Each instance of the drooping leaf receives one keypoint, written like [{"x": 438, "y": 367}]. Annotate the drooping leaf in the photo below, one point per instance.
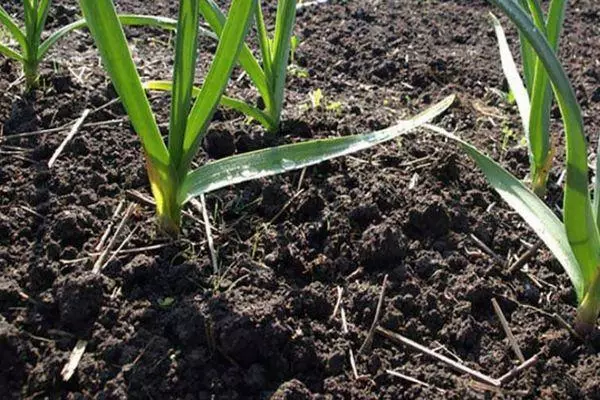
[
  {"x": 13, "y": 29},
  {"x": 277, "y": 160},
  {"x": 579, "y": 220},
  {"x": 530, "y": 207},
  {"x": 512, "y": 75},
  {"x": 126, "y": 20},
  {"x": 238, "y": 105},
  {"x": 10, "y": 53}
]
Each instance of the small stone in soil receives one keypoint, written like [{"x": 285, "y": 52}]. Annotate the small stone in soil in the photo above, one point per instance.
[
  {"x": 12, "y": 362},
  {"x": 79, "y": 301},
  {"x": 71, "y": 226},
  {"x": 382, "y": 245},
  {"x": 364, "y": 215},
  {"x": 427, "y": 264},
  {"x": 433, "y": 221},
  {"x": 255, "y": 378},
  {"x": 292, "y": 390},
  {"x": 311, "y": 207},
  {"x": 219, "y": 144},
  {"x": 334, "y": 364}
]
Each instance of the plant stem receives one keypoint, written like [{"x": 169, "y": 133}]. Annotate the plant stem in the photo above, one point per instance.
[
  {"x": 165, "y": 185},
  {"x": 170, "y": 216},
  {"x": 539, "y": 179},
  {"x": 280, "y": 52},
  {"x": 589, "y": 309},
  {"x": 30, "y": 70}
]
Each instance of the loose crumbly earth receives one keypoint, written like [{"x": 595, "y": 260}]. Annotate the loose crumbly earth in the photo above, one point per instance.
[{"x": 159, "y": 324}]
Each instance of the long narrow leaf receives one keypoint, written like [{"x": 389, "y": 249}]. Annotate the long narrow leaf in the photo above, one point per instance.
[
  {"x": 537, "y": 14},
  {"x": 528, "y": 56},
  {"x": 265, "y": 120},
  {"x": 555, "y": 21},
  {"x": 216, "y": 19},
  {"x": 112, "y": 44},
  {"x": 597, "y": 186},
  {"x": 230, "y": 44},
  {"x": 263, "y": 40},
  {"x": 512, "y": 75},
  {"x": 541, "y": 101},
  {"x": 534, "y": 10},
  {"x": 277, "y": 160},
  {"x": 8, "y": 52},
  {"x": 126, "y": 20},
  {"x": 13, "y": 29},
  {"x": 284, "y": 27},
  {"x": 186, "y": 54},
  {"x": 44, "y": 7},
  {"x": 530, "y": 207},
  {"x": 42, "y": 15},
  {"x": 238, "y": 105},
  {"x": 580, "y": 224},
  {"x": 30, "y": 17}
]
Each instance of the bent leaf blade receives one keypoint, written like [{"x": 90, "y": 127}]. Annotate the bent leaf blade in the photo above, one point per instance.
[
  {"x": 16, "y": 32},
  {"x": 512, "y": 75},
  {"x": 277, "y": 160},
  {"x": 10, "y": 53},
  {"x": 579, "y": 218},
  {"x": 234, "y": 104},
  {"x": 126, "y": 20},
  {"x": 530, "y": 207}
]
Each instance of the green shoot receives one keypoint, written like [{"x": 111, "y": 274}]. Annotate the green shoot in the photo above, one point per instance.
[
  {"x": 293, "y": 68},
  {"x": 576, "y": 242},
  {"x": 294, "y": 43},
  {"x": 534, "y": 97},
  {"x": 169, "y": 165},
  {"x": 316, "y": 96},
  {"x": 298, "y": 72},
  {"x": 335, "y": 106},
  {"x": 30, "y": 50},
  {"x": 507, "y": 135},
  {"x": 29, "y": 38}
]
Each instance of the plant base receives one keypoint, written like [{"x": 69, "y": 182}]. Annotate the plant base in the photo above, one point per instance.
[
  {"x": 32, "y": 78},
  {"x": 589, "y": 309}
]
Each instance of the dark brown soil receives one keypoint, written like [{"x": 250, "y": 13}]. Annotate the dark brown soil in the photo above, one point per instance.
[{"x": 159, "y": 324}]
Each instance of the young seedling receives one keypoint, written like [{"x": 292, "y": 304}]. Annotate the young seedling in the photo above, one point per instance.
[
  {"x": 172, "y": 180},
  {"x": 268, "y": 77},
  {"x": 575, "y": 242},
  {"x": 293, "y": 68},
  {"x": 31, "y": 50},
  {"x": 534, "y": 97}
]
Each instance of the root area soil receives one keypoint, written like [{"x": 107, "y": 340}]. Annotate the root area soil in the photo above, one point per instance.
[{"x": 159, "y": 324}]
